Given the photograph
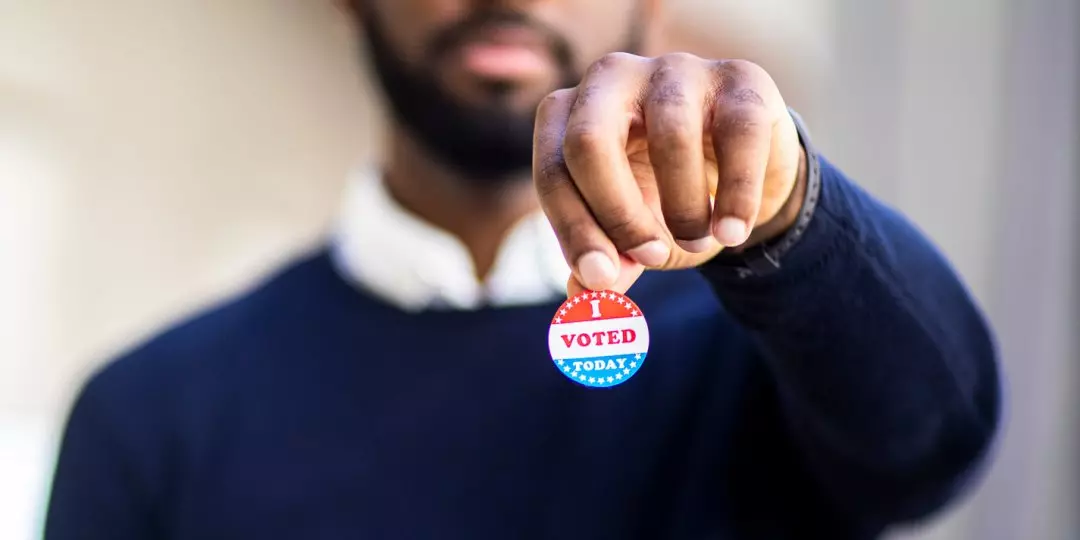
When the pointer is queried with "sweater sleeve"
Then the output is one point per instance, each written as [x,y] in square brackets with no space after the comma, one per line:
[99,489]
[886,370]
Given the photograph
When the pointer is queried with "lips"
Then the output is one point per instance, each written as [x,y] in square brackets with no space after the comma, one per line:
[506,52]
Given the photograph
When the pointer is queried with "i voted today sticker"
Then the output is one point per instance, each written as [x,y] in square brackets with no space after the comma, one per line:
[598,338]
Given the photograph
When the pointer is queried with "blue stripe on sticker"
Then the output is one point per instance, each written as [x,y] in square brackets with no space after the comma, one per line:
[601,371]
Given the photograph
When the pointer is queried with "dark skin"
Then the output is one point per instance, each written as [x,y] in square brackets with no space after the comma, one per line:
[625,162]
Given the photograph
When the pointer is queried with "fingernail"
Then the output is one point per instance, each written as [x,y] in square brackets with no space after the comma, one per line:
[596,270]
[653,253]
[701,245]
[730,231]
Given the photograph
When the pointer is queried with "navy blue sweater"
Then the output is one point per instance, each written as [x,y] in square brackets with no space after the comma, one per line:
[853,389]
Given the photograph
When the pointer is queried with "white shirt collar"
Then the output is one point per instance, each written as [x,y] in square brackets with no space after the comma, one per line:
[383,248]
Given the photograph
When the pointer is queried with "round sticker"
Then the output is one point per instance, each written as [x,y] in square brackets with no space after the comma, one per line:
[598,338]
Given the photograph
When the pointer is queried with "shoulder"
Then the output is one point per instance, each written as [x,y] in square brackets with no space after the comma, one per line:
[185,361]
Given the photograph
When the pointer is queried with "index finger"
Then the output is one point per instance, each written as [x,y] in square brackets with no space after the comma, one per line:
[590,254]
[595,146]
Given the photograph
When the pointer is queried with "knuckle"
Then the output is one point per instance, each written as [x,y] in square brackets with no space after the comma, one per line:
[671,124]
[551,172]
[738,188]
[744,69]
[739,121]
[723,75]
[585,96]
[582,142]
[673,138]
[553,102]
[551,176]
[673,75]
[546,142]
[624,228]
[666,89]
[575,233]
[741,182]
[614,60]
[746,97]
[679,59]
[745,83]
[686,223]
[620,226]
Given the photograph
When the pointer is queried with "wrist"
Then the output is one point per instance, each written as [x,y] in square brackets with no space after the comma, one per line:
[769,243]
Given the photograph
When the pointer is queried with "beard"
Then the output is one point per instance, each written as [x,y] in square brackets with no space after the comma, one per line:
[486,144]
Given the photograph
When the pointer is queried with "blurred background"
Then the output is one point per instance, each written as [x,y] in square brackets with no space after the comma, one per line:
[157,156]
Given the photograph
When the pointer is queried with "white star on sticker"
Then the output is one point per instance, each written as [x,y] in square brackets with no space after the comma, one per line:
[592,379]
[633,312]
[633,364]
[637,357]
[618,376]
[558,320]
[581,377]
[610,380]
[562,312]
[626,371]
[561,362]
[576,300]
[592,295]
[566,369]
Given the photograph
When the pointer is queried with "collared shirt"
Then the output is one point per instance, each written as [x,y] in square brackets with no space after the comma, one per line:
[390,252]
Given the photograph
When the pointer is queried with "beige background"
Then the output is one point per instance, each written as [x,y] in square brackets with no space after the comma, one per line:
[155,156]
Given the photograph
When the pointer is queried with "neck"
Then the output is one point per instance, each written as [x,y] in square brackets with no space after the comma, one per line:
[480,214]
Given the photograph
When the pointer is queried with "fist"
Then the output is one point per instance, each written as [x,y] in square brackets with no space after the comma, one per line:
[661,163]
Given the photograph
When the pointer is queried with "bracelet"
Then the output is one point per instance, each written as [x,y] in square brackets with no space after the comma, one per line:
[765,258]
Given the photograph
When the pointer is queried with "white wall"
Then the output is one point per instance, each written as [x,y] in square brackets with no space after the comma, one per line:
[153,156]
[156,156]
[964,113]
[156,153]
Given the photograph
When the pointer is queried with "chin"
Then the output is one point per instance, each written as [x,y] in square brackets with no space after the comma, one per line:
[507,95]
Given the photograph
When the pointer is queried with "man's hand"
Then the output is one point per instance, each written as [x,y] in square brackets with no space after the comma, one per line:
[626,162]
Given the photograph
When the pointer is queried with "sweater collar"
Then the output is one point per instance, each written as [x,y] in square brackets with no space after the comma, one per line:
[383,248]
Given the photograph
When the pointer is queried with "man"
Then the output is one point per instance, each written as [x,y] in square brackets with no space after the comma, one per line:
[815,369]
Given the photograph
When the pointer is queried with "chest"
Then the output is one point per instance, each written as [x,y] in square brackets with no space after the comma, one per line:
[472,440]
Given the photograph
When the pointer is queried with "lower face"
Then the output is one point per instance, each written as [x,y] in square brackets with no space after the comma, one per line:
[466,81]
[514,65]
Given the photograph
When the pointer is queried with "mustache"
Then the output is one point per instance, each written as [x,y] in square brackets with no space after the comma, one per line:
[455,35]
